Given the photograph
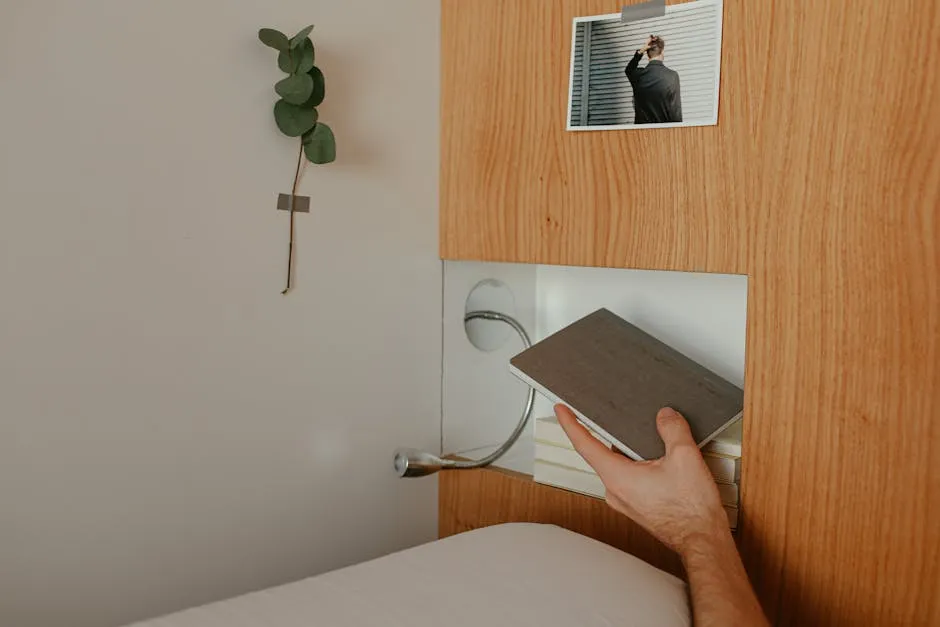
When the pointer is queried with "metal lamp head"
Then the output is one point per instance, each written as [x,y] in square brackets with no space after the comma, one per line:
[414,463]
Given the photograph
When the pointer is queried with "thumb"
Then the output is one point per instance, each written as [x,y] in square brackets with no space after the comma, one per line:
[673,429]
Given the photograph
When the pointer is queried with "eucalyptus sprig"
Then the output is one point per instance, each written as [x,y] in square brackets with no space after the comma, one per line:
[295,114]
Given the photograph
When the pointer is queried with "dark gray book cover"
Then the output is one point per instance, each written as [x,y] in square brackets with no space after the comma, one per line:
[616,377]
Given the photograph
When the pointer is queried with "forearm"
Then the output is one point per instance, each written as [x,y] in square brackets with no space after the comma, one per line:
[634,63]
[721,592]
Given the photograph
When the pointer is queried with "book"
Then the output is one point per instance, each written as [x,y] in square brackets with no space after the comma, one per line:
[552,445]
[561,456]
[727,443]
[590,484]
[570,458]
[729,494]
[550,431]
[569,479]
[723,469]
[732,513]
[616,377]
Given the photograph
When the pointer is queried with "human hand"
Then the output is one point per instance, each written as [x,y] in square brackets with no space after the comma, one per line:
[646,46]
[674,498]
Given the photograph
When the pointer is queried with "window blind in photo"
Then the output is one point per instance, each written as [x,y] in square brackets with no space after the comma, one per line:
[601,93]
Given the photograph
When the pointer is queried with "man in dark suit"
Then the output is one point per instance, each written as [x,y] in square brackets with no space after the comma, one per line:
[656,95]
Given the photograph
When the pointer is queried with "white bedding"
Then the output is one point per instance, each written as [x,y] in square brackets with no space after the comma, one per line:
[519,575]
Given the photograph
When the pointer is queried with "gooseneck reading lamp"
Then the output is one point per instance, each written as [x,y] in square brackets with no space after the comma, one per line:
[415,463]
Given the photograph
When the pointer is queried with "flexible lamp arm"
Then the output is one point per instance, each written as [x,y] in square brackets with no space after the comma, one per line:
[415,463]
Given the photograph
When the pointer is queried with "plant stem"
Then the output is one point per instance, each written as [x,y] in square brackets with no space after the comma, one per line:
[293,197]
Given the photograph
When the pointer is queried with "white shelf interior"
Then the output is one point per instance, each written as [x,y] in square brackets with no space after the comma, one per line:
[702,315]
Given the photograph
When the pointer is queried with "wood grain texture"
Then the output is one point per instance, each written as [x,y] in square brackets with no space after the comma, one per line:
[479,498]
[822,183]
[515,186]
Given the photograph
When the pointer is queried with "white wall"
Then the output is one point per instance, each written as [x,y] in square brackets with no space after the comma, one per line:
[704,316]
[172,429]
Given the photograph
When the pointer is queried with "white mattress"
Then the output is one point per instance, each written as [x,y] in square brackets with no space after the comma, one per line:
[519,575]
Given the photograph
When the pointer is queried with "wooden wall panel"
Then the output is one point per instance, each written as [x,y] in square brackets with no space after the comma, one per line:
[822,183]
[517,187]
[480,498]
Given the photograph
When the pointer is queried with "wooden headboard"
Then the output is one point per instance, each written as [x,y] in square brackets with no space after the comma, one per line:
[821,182]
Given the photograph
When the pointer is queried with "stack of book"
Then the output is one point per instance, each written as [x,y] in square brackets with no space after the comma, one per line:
[558,464]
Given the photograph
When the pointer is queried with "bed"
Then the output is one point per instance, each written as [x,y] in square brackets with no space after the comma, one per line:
[513,574]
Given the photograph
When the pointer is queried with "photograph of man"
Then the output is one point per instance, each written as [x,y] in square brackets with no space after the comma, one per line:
[657,97]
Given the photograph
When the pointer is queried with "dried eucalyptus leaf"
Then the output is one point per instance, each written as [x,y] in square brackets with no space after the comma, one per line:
[318,93]
[288,62]
[295,89]
[320,145]
[274,39]
[298,39]
[305,57]
[294,120]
